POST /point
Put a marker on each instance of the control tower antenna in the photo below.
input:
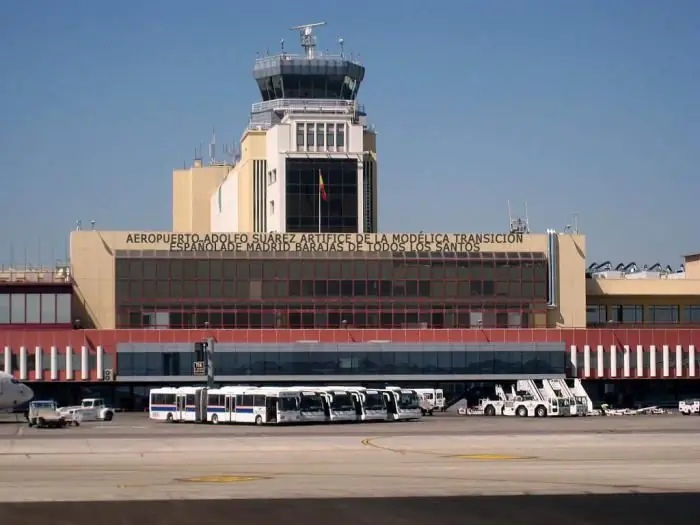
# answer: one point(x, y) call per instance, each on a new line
point(212, 148)
point(518, 224)
point(308, 40)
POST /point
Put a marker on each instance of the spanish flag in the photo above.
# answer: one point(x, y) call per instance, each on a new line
point(322, 186)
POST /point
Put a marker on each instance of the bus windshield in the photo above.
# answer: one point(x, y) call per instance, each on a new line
point(311, 404)
point(288, 404)
point(375, 401)
point(408, 401)
point(342, 402)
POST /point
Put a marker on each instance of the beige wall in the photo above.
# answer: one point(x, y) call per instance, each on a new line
point(92, 258)
point(192, 191)
point(253, 147)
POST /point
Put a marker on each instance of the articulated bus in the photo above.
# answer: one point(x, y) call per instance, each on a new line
point(178, 404)
point(237, 404)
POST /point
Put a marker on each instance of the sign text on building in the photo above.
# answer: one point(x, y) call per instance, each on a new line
point(320, 242)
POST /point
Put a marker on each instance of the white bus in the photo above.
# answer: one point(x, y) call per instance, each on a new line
point(282, 405)
point(403, 404)
point(311, 405)
point(370, 404)
point(221, 404)
point(338, 404)
point(176, 404)
point(249, 404)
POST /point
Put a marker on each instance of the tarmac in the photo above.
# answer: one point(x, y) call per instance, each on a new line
point(484, 470)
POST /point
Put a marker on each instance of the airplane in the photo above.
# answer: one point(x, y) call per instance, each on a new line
point(13, 393)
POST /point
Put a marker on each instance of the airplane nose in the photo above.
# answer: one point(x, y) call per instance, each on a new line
point(28, 394)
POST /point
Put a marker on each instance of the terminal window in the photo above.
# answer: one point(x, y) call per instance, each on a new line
point(361, 290)
point(338, 211)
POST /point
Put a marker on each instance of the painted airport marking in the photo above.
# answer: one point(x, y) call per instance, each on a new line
point(222, 479)
point(490, 457)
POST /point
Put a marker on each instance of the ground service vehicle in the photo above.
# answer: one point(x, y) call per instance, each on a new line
point(432, 399)
point(90, 409)
point(402, 404)
point(689, 407)
point(525, 400)
point(46, 414)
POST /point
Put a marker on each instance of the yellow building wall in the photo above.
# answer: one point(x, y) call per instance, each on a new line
point(192, 191)
point(92, 258)
point(253, 147)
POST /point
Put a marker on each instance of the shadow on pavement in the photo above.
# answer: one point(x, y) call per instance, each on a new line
point(637, 509)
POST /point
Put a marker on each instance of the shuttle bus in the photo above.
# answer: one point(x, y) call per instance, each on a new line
point(370, 404)
point(403, 404)
point(178, 404)
point(338, 404)
point(240, 404)
point(311, 405)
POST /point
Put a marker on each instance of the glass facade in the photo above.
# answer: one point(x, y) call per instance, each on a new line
point(429, 361)
point(35, 308)
point(354, 290)
point(338, 212)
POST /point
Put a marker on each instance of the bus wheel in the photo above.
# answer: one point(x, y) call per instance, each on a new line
point(215, 419)
point(169, 418)
point(258, 420)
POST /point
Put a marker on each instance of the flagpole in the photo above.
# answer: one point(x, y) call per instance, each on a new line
point(319, 202)
point(319, 205)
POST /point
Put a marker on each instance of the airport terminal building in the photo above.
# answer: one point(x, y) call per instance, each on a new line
point(276, 256)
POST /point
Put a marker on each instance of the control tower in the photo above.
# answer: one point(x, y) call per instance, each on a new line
point(308, 159)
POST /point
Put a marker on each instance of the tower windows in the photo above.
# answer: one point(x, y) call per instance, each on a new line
point(320, 136)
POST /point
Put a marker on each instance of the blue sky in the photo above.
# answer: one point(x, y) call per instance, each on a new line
point(573, 107)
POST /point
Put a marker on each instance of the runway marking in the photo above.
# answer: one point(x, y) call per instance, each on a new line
point(222, 479)
point(490, 457)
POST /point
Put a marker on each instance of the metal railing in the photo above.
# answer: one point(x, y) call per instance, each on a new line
point(305, 105)
point(35, 275)
point(325, 57)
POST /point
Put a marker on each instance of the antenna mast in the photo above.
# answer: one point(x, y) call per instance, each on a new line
point(308, 39)
point(212, 148)
point(518, 224)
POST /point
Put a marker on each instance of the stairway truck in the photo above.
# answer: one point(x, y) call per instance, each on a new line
point(522, 408)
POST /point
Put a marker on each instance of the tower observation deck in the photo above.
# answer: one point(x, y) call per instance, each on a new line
point(313, 81)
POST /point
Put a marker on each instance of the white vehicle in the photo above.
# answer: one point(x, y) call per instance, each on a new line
point(338, 404)
point(46, 414)
point(281, 405)
point(525, 401)
point(13, 393)
point(689, 407)
point(221, 404)
point(90, 409)
point(580, 403)
point(402, 404)
point(178, 404)
point(311, 406)
point(370, 404)
point(432, 399)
